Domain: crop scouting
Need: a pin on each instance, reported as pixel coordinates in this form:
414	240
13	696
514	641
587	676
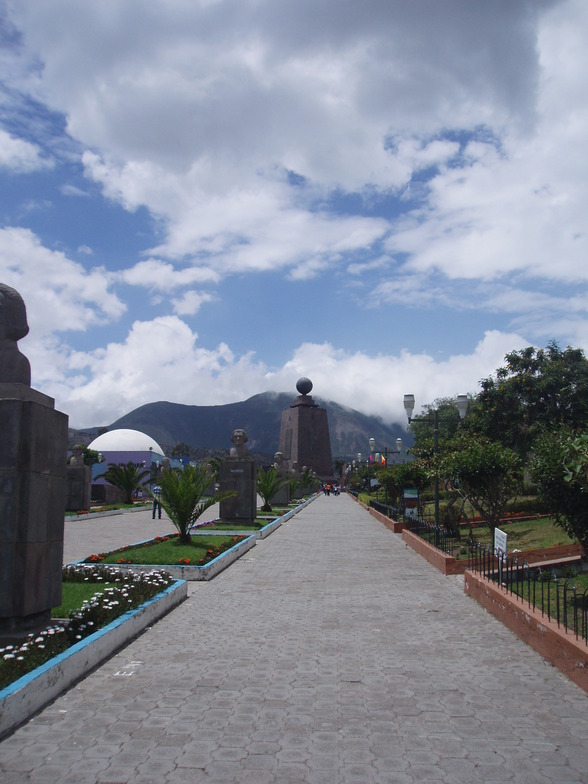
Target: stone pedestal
33	448
79	485
240	476
282	497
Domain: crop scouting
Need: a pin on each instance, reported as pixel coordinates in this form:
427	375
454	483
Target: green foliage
309	480
214	466
395	478
537	389
576	461
487	472
182	497
268	484
556	465
181	449
422	427
127	478
91	456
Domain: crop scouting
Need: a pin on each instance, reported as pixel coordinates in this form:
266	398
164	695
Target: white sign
500	542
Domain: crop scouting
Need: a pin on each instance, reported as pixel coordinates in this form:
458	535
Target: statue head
14	366
239	438
77	456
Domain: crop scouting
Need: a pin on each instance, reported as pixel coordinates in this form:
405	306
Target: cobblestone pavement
328	654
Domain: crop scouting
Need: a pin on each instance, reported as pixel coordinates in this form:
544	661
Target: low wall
560	649
446	564
557	553
392	525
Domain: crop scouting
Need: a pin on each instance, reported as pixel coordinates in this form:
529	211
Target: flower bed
214	563
22	698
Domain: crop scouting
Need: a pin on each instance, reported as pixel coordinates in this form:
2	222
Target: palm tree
182	497
268	484
127	478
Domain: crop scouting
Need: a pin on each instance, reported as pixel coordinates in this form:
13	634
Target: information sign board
500	542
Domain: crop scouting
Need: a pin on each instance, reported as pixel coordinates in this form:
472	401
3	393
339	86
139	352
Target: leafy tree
396	477
487	472
127	478
559	464
422	427
182	497
536	389
268	484
181	449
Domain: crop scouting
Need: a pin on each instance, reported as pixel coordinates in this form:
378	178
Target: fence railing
556	598
435	535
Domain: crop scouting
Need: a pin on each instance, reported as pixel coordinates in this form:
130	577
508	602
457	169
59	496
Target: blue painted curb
21	699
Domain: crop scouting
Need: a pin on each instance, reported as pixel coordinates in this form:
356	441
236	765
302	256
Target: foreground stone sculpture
239	474
32	484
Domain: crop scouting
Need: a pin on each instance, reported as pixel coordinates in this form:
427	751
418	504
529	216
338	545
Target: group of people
331	489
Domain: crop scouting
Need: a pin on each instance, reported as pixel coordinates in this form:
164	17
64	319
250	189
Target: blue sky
201	201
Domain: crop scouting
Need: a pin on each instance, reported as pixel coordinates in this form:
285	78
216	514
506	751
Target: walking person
156	502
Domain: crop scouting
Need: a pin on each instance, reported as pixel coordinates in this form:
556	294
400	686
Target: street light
397	451
461	403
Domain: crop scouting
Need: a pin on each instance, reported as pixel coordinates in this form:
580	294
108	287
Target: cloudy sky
206	199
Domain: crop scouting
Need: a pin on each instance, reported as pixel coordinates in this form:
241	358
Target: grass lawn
168	551
73	595
526	534
546	595
228	526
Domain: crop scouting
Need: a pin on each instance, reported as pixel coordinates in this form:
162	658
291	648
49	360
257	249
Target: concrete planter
24	697
188	571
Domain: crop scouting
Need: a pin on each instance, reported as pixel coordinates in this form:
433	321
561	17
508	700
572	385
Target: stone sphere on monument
304	385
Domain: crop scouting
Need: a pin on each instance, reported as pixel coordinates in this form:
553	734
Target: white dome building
125	441
121	447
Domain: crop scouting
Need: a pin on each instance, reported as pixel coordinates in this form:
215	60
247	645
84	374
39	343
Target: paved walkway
329	654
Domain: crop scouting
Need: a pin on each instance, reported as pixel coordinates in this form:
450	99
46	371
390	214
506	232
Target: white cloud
197	110
162	276
161	360
59	293
433	152
20	156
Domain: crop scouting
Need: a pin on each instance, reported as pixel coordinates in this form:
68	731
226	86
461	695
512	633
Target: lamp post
397	451
461	403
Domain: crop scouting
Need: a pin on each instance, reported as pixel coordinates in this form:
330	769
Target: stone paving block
312	667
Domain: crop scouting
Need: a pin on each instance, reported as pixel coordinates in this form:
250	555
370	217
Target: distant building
121	447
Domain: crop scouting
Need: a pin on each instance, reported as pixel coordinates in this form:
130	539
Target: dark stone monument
239	474
282	497
304	434
79	481
32	485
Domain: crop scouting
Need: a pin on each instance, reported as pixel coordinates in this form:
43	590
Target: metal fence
556	598
435	535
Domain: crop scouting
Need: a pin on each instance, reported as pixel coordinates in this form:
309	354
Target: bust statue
77	457
239	438
14	366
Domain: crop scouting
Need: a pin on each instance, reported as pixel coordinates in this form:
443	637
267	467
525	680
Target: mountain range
209	428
